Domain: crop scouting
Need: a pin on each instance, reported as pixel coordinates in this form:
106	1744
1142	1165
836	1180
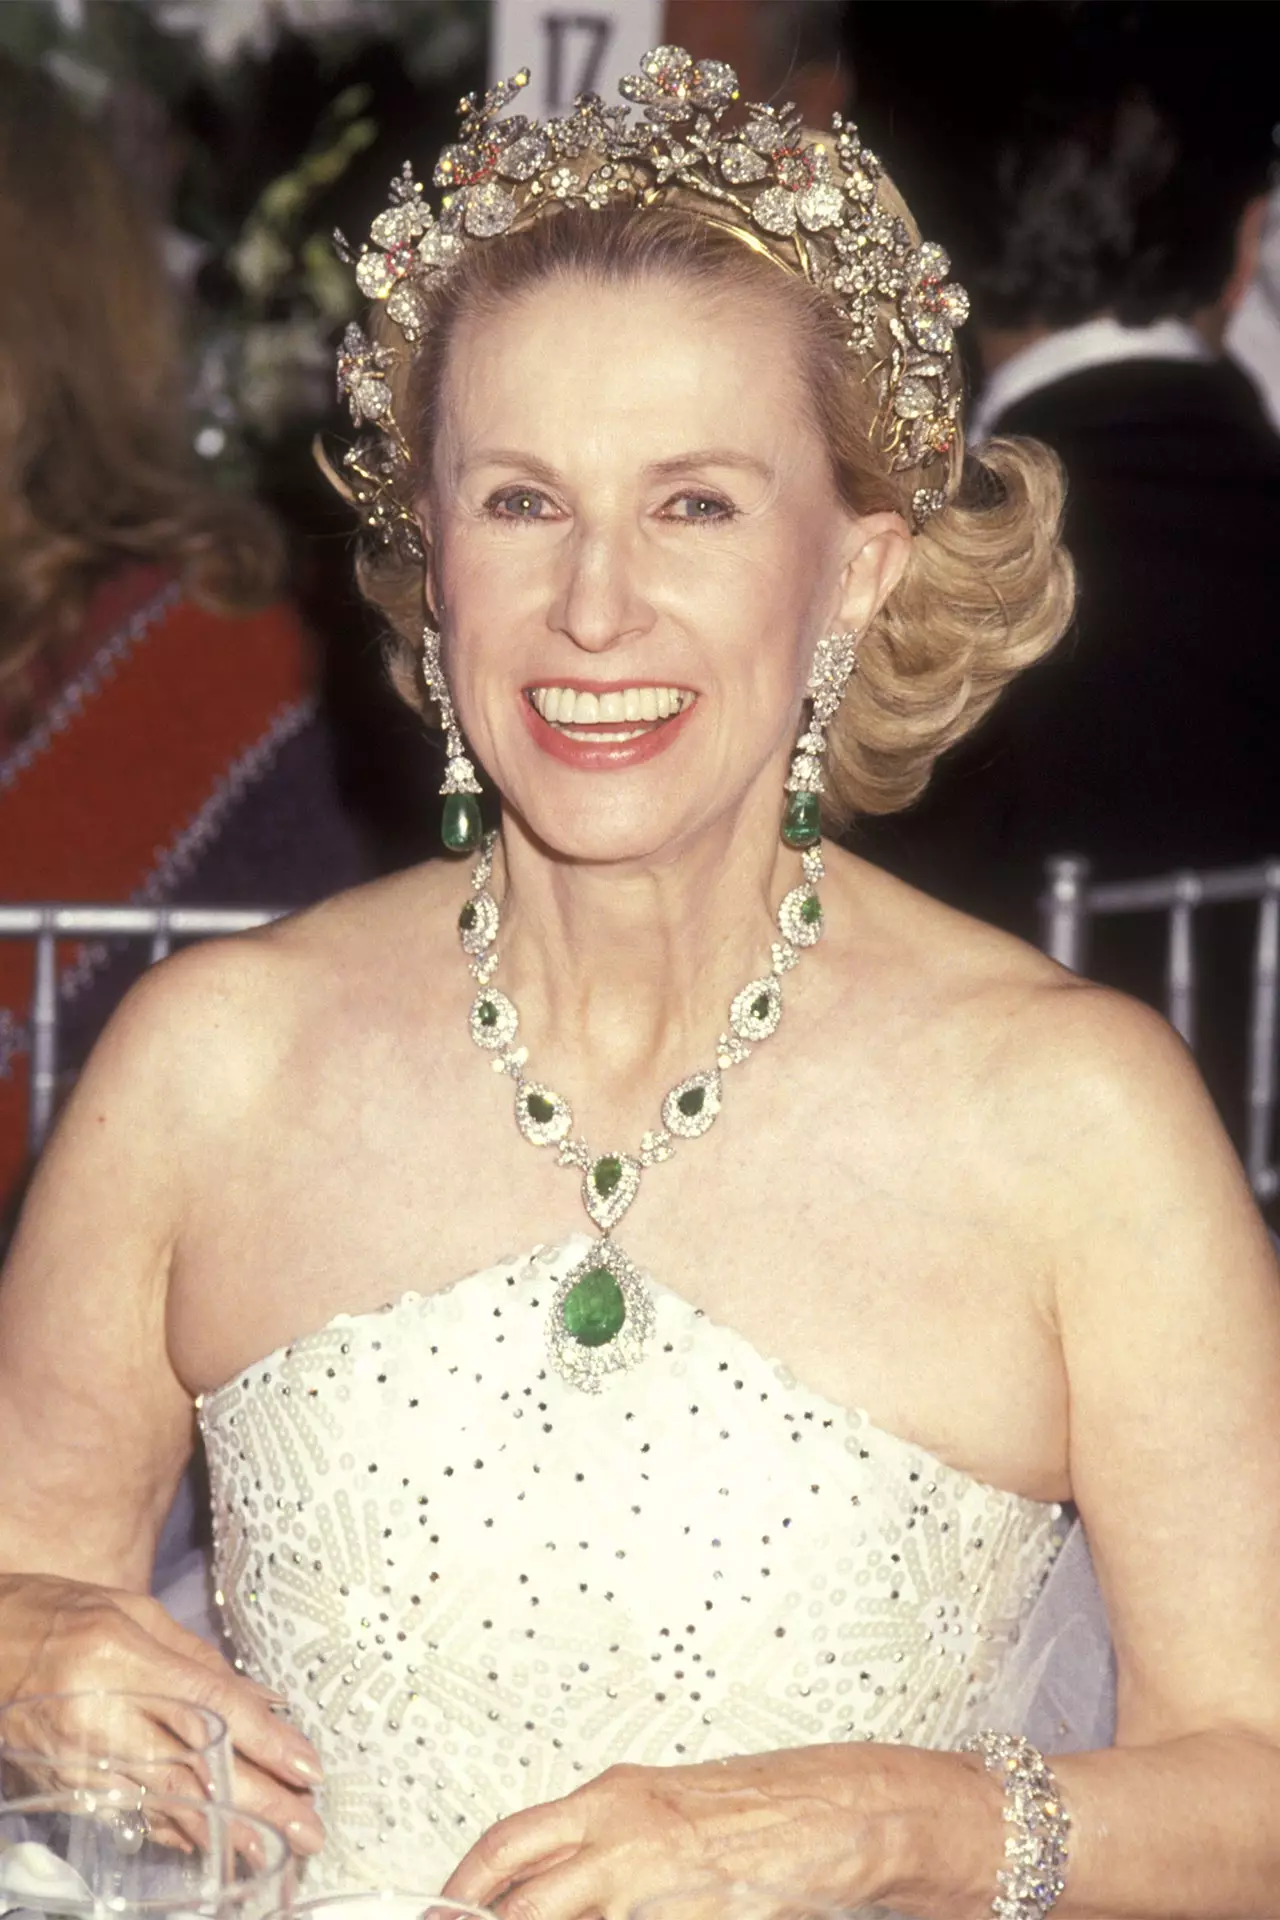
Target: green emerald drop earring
460	821
834	659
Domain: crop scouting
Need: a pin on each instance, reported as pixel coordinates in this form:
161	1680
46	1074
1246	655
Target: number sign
570	48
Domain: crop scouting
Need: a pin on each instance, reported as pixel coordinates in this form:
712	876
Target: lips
606	728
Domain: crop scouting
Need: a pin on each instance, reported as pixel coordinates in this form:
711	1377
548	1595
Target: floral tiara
811	205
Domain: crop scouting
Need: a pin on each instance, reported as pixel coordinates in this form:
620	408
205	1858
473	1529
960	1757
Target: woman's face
636	544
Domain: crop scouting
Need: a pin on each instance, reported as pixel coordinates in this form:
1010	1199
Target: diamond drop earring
460	823
834	659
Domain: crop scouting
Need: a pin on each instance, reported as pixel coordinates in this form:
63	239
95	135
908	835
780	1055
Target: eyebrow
660	469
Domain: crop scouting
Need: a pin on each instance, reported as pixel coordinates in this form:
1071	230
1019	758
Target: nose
599	602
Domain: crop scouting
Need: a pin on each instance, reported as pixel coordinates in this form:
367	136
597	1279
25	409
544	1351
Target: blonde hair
988	588
96	468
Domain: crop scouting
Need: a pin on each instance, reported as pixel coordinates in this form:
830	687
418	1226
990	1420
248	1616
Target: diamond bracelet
1034	1875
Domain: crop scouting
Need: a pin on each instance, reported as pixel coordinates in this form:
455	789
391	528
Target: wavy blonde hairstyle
988	588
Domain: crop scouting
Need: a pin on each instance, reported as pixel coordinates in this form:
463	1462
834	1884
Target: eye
698	509
518	503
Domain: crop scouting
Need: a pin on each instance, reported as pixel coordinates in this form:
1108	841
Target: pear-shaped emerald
594	1309
692	1101
760	1007
606	1175
487	1014
811	910
467	918
539	1109
460	822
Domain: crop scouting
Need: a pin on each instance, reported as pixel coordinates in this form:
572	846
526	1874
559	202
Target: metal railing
1071	901
46	925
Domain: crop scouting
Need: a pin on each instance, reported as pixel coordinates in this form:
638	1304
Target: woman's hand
64	1636
831	1824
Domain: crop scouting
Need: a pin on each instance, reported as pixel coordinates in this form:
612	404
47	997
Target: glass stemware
56	1742
96	1853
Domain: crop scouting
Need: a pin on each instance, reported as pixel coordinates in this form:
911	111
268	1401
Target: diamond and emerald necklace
601	1315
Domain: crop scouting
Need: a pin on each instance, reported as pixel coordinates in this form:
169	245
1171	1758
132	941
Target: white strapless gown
478	1586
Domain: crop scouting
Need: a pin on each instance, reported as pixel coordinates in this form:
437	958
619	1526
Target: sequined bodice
478	1586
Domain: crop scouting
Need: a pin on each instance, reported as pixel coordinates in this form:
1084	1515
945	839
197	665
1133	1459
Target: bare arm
95	1428
1170	1316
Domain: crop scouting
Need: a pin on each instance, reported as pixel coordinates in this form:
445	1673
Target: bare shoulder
1073	1078
207	1034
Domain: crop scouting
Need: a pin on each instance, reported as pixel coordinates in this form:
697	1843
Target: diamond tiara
815	206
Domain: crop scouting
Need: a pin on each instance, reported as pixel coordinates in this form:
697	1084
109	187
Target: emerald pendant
594	1309
800	916
478	921
802	821
494	1020
691	1107
601	1317
611	1184
460	822
756	1011
543	1117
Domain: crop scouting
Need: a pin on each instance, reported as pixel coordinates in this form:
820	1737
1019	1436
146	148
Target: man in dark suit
1108	226
1104	207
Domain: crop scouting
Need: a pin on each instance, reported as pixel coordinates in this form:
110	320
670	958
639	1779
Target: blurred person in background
159	738
1113	203
1253	332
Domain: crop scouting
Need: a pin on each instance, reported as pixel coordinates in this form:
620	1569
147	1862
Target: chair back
1072	900
47	924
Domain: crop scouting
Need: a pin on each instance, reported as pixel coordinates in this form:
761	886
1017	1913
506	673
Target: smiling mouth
624	713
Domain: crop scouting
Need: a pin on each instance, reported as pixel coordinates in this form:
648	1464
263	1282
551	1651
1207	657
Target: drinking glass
56	1742
99	1855
736	1900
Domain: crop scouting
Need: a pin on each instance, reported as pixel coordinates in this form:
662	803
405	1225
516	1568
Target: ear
876	559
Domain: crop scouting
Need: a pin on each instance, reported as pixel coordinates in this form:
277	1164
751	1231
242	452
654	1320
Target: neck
628	969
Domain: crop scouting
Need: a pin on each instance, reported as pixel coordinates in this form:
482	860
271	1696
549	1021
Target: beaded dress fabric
478	1586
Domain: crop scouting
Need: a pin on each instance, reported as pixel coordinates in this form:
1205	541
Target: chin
595	829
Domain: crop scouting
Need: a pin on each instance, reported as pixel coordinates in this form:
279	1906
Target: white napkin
32	1875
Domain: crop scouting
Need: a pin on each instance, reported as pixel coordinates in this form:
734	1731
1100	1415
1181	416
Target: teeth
566	706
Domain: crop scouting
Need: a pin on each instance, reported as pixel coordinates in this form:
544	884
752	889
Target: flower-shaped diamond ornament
362	376
933	307
671	84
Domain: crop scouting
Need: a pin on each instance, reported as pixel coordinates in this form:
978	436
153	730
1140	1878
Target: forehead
628	368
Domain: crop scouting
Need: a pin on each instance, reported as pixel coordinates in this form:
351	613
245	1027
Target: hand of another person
65	1636
831	1824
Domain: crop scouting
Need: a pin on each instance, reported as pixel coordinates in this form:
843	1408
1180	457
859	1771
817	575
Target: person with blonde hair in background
158	729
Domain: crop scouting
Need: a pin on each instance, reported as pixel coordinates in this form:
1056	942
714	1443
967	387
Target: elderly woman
691	1532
